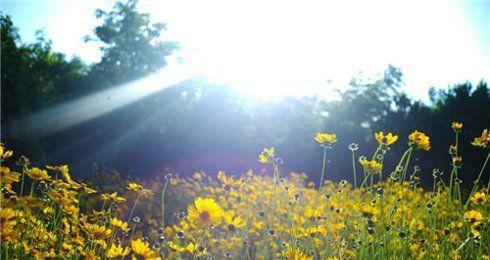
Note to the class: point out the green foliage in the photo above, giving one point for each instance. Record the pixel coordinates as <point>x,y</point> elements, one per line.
<point>132,45</point>
<point>33,75</point>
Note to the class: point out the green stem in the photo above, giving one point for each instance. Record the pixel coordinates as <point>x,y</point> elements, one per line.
<point>406,165</point>
<point>456,141</point>
<point>22,184</point>
<point>475,186</point>
<point>458,191</point>
<point>323,168</point>
<point>482,168</point>
<point>451,180</point>
<point>365,179</point>
<point>276,184</point>
<point>376,152</point>
<point>381,172</point>
<point>454,172</point>
<point>488,185</point>
<point>481,171</point>
<point>32,187</point>
<point>354,169</point>
<point>372,180</point>
<point>163,204</point>
<point>132,210</point>
<point>402,159</point>
<point>132,231</point>
<point>405,168</point>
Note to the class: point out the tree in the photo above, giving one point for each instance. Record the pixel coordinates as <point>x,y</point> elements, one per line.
<point>132,46</point>
<point>33,75</point>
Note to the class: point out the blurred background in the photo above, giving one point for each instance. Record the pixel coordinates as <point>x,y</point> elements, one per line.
<point>182,86</point>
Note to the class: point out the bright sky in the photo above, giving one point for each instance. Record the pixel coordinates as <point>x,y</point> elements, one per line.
<point>297,47</point>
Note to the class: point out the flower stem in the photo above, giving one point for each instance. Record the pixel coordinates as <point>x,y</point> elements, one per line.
<point>481,171</point>
<point>482,168</point>
<point>475,186</point>
<point>32,187</point>
<point>451,180</point>
<point>134,206</point>
<point>163,204</point>
<point>454,172</point>
<point>402,159</point>
<point>22,184</point>
<point>323,168</point>
<point>354,169</point>
<point>406,166</point>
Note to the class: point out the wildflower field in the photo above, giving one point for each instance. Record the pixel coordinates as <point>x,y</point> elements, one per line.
<point>383,214</point>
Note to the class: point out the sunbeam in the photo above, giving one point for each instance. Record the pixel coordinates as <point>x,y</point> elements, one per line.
<point>83,109</point>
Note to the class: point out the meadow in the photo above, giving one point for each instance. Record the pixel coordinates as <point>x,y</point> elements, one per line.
<point>382,214</point>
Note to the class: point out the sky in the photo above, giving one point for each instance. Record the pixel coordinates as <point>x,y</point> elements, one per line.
<point>301,48</point>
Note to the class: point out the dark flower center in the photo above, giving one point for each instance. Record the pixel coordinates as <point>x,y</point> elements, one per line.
<point>204,215</point>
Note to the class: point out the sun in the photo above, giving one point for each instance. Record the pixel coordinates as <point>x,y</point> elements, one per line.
<point>268,50</point>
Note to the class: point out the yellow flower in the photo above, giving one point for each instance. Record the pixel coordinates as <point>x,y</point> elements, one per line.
<point>197,176</point>
<point>368,211</point>
<point>293,253</point>
<point>416,224</point>
<point>420,140</point>
<point>7,223</point>
<point>49,255</point>
<point>482,141</point>
<point>370,166</point>
<point>387,139</point>
<point>71,209</point>
<point>475,230</point>
<point>96,231</point>
<point>142,248</point>
<point>37,174</point>
<point>87,189</point>
<point>7,176</point>
<point>233,222</point>
<point>176,247</point>
<point>457,126</point>
<point>191,247</point>
<point>453,150</point>
<point>112,197</point>
<point>64,171</point>
<point>266,154</point>
<point>205,212</point>
<point>479,198</point>
<point>117,251</point>
<point>140,190</point>
<point>101,243</point>
<point>262,158</point>
<point>5,154</point>
<point>229,182</point>
<point>115,222</point>
<point>68,247</point>
<point>48,211</point>
<point>324,138</point>
<point>174,181</point>
<point>457,160</point>
<point>473,216</point>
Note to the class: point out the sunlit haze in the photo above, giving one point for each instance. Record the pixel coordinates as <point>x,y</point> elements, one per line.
<point>270,48</point>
